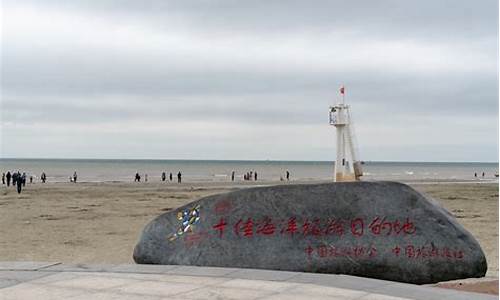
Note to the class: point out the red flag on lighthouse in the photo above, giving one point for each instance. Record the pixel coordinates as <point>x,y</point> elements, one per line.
<point>342,90</point>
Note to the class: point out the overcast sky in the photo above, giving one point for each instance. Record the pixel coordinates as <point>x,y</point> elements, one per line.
<point>248,79</point>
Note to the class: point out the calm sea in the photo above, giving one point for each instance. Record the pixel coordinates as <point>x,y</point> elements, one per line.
<point>96,170</point>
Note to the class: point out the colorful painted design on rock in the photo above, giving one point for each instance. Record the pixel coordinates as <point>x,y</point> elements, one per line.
<point>189,218</point>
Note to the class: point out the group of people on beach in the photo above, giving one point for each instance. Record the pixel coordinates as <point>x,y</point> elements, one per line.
<point>475,174</point>
<point>18,179</point>
<point>137,177</point>
<point>247,176</point>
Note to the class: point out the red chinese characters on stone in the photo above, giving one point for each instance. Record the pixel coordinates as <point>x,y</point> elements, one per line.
<point>244,228</point>
<point>357,227</point>
<point>311,228</point>
<point>378,226</point>
<point>428,252</point>
<point>194,238</point>
<point>382,226</point>
<point>291,227</point>
<point>309,250</point>
<point>335,227</point>
<point>249,228</point>
<point>220,226</point>
<point>266,227</point>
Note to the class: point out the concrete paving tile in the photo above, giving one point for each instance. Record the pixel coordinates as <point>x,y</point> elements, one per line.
<point>30,291</point>
<point>90,283</point>
<point>156,288</point>
<point>381,297</point>
<point>274,286</point>
<point>173,278</point>
<point>7,282</point>
<point>114,296</point>
<point>318,291</point>
<point>54,277</point>
<point>460,295</point>
<point>425,293</point>
<point>24,265</point>
<point>262,274</point>
<point>147,269</point>
<point>22,276</point>
<point>288,296</point>
<point>202,271</point>
<point>219,293</point>
<point>80,268</point>
<point>340,281</point>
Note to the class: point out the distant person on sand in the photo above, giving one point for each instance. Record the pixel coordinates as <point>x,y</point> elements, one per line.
<point>163,176</point>
<point>19,182</point>
<point>137,177</point>
<point>287,175</point>
<point>24,179</point>
<point>14,178</point>
<point>179,177</point>
<point>171,176</point>
<point>475,175</point>
<point>43,177</point>
<point>31,178</point>
<point>483,174</point>
<point>146,178</point>
<point>74,177</point>
<point>232,176</point>
<point>3,178</point>
<point>8,177</point>
<point>255,176</point>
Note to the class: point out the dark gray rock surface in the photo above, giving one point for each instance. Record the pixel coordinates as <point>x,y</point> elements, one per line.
<point>383,230</point>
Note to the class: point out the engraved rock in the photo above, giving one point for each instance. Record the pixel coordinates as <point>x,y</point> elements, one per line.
<point>383,230</point>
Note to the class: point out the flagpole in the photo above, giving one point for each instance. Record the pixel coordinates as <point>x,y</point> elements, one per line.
<point>343,94</point>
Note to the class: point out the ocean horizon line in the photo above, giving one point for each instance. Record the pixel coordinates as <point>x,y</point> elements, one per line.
<point>236,160</point>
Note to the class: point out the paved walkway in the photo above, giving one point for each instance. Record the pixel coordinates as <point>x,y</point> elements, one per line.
<point>39,281</point>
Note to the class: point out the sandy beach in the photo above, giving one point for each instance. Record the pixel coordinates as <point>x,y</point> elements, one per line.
<point>101,222</point>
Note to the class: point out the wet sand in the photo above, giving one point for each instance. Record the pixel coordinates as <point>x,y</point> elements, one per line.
<point>101,222</point>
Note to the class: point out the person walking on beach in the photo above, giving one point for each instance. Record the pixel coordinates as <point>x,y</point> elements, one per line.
<point>475,175</point>
<point>146,178</point>
<point>137,177</point>
<point>483,174</point>
<point>74,177</point>
<point>19,182</point>
<point>24,179</point>
<point>31,179</point>
<point>43,177</point>
<point>163,176</point>
<point>3,178</point>
<point>232,176</point>
<point>179,177</point>
<point>287,175</point>
<point>14,178</point>
<point>8,178</point>
<point>255,175</point>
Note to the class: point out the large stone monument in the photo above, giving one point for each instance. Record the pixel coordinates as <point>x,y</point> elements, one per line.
<point>382,230</point>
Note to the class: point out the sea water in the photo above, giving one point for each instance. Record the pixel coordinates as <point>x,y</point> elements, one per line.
<point>100,170</point>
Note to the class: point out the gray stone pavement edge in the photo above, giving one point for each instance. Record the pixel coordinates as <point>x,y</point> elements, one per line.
<point>52,280</point>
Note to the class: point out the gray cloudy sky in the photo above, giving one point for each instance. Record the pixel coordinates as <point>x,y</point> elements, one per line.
<point>248,79</point>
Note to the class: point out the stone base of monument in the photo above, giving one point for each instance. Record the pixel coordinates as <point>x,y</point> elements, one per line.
<point>384,230</point>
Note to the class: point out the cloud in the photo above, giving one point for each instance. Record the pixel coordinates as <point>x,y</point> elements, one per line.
<point>112,67</point>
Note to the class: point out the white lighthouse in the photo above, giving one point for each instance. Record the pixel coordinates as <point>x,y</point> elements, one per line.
<point>347,165</point>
